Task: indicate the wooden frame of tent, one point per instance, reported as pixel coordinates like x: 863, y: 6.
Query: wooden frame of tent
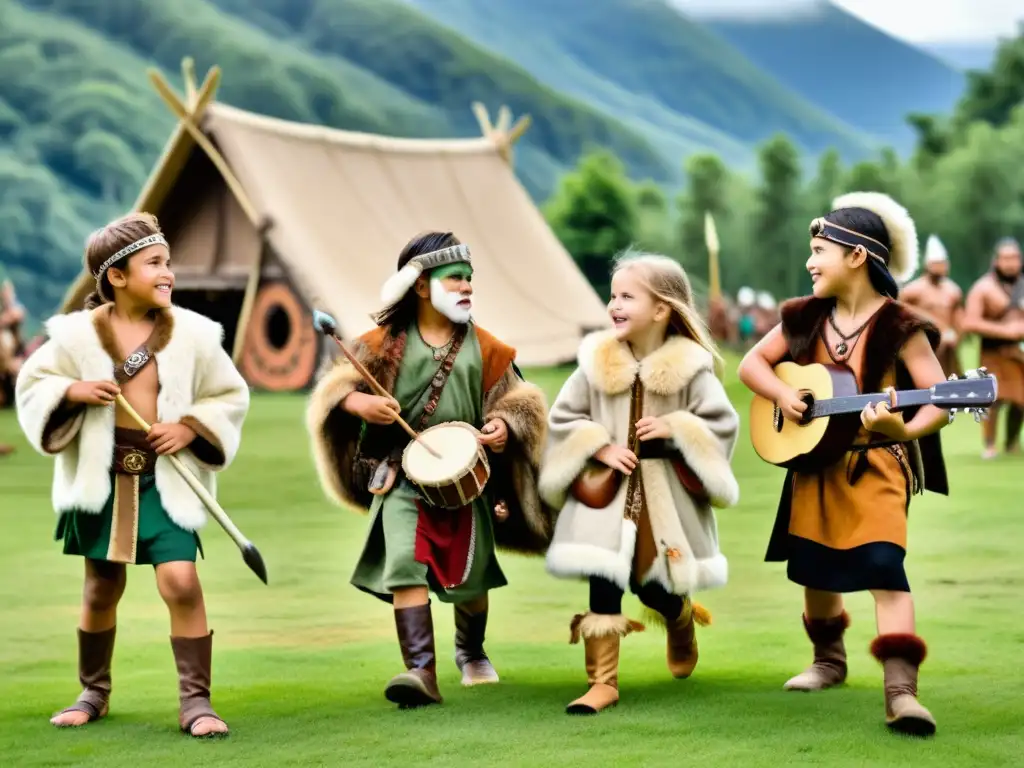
x: 191, y: 111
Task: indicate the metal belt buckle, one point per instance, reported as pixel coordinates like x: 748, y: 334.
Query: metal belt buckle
x: 134, y: 462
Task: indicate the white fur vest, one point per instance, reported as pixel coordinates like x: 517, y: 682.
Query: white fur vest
x: 593, y: 410
x: 198, y: 385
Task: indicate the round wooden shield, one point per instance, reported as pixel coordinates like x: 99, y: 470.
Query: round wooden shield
x: 281, y: 345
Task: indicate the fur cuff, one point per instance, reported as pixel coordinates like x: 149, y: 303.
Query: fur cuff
x: 524, y: 411
x: 700, y: 615
x: 218, y: 426
x: 339, y: 381
x: 206, y: 447
x: 48, y: 423
x: 826, y: 631
x: 908, y: 647
x: 587, y: 625
x: 703, y: 454
x: 566, y: 459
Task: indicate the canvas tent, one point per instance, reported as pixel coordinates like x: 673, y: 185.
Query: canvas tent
x: 269, y: 219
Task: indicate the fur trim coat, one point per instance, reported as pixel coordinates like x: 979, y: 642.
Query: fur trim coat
x: 592, y: 411
x: 199, y: 386
x: 335, y: 434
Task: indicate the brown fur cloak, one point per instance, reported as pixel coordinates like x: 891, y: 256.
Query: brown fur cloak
x: 345, y: 463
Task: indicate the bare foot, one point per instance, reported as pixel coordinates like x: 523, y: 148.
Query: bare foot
x: 74, y: 718
x: 208, y: 726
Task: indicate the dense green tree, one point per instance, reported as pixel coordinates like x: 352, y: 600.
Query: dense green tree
x: 779, y: 227
x: 593, y: 212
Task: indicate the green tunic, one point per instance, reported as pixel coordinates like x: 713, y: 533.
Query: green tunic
x: 159, y: 539
x: 387, y: 561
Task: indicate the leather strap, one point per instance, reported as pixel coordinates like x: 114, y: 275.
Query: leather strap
x: 135, y: 362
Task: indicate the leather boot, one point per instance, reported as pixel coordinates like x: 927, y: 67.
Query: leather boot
x: 470, y: 658
x: 95, y: 651
x: 417, y: 686
x: 901, y: 655
x: 601, y: 635
x: 193, y: 656
x: 682, y: 638
x: 829, y: 667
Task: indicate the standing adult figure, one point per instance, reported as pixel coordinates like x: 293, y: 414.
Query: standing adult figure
x: 941, y: 301
x: 994, y: 310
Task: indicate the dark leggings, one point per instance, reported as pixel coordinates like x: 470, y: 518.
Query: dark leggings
x: 1014, y: 420
x: 606, y: 597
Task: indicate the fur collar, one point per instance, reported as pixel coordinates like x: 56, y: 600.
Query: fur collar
x: 610, y: 366
x: 87, y: 329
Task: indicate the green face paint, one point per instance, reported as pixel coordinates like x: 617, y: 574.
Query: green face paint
x: 460, y: 270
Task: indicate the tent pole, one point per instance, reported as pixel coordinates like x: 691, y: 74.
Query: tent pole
x: 252, y: 284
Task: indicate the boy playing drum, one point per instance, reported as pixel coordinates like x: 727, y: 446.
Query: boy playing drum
x: 438, y: 367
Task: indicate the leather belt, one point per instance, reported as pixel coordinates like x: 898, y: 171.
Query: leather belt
x: 132, y: 454
x: 659, y: 448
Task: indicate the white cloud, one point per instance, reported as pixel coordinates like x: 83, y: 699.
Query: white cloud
x: 761, y: 9
x: 915, y: 20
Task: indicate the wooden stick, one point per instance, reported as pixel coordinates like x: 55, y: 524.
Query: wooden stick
x: 188, y: 73
x: 483, y: 118
x: 383, y: 393
x: 252, y: 284
x: 249, y: 551
x: 711, y: 239
x: 187, y: 120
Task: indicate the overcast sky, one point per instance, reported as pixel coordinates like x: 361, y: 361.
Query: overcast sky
x: 916, y: 20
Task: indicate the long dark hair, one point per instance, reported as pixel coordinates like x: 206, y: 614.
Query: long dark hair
x: 400, y: 314
x: 869, y: 224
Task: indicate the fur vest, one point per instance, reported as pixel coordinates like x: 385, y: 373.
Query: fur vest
x: 336, y: 435
x: 802, y: 321
x: 199, y: 386
x: 592, y: 411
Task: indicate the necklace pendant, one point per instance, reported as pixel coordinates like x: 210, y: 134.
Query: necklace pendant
x: 438, y: 355
x: 841, y: 348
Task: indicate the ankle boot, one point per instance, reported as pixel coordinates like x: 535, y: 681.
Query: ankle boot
x: 95, y: 651
x: 682, y: 638
x: 601, y: 635
x: 901, y: 655
x: 470, y: 658
x: 829, y: 667
x: 193, y: 657
x: 417, y: 686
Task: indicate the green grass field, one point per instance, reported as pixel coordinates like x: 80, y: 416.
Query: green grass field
x: 300, y: 666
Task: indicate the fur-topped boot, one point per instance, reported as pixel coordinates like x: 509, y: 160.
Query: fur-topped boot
x: 417, y: 686
x: 829, y: 667
x: 681, y: 632
x: 601, y: 634
x: 470, y: 658
x: 901, y: 655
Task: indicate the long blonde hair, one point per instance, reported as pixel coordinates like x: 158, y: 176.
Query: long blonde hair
x: 668, y: 282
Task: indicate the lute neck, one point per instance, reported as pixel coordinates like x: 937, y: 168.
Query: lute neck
x: 838, y: 406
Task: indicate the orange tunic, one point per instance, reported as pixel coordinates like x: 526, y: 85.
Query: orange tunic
x: 847, y: 524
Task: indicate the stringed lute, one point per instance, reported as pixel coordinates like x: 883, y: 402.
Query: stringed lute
x: 834, y: 404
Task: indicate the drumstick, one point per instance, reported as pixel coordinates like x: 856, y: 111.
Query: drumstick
x: 326, y: 325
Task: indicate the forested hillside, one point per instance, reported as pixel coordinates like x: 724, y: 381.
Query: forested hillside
x: 81, y: 126
x: 855, y: 71
x: 682, y: 86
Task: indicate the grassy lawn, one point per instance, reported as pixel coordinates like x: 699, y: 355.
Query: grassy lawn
x: 300, y: 666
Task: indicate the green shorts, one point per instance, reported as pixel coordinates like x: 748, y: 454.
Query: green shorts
x: 158, y: 539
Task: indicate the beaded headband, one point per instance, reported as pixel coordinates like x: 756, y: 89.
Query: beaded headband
x: 128, y: 250
x: 820, y: 227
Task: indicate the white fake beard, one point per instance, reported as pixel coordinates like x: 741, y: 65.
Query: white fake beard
x: 446, y: 302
